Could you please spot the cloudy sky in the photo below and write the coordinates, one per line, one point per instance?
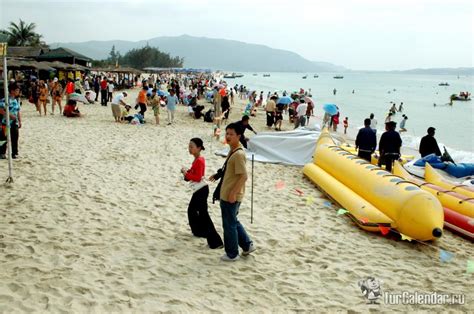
(358, 34)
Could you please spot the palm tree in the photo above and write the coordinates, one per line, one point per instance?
(23, 34)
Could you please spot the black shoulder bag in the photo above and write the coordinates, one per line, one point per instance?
(220, 175)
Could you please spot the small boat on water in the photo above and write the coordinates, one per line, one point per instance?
(255, 74)
(443, 84)
(338, 77)
(315, 76)
(266, 75)
(305, 77)
(463, 96)
(229, 76)
(238, 75)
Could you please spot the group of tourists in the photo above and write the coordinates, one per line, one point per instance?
(390, 142)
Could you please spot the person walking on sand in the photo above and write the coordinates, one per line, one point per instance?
(142, 100)
(231, 195)
(244, 124)
(43, 96)
(198, 216)
(56, 95)
(366, 141)
(171, 102)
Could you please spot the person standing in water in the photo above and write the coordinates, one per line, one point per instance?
(402, 124)
(198, 216)
(334, 91)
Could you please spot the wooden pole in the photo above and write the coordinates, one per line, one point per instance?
(3, 52)
(251, 198)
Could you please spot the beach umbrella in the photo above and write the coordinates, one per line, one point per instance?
(285, 100)
(330, 109)
(78, 97)
(309, 99)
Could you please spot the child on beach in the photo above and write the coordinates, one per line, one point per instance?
(154, 102)
(198, 216)
(346, 124)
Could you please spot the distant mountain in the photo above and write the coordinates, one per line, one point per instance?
(439, 71)
(217, 54)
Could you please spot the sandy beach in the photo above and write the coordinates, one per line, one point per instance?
(96, 222)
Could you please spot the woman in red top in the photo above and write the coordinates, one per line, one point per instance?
(199, 220)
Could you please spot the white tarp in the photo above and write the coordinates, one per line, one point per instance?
(288, 148)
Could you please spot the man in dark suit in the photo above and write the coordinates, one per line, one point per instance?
(366, 141)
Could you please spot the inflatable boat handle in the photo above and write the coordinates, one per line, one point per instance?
(466, 199)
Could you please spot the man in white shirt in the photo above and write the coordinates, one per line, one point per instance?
(373, 123)
(301, 114)
(116, 102)
(110, 90)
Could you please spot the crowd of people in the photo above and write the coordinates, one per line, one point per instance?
(167, 92)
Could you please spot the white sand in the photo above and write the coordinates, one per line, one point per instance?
(96, 222)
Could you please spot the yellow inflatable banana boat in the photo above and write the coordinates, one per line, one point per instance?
(374, 197)
(448, 198)
(432, 176)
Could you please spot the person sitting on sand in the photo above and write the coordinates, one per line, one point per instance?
(198, 216)
(244, 124)
(126, 112)
(71, 110)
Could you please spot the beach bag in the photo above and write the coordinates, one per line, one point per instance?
(216, 195)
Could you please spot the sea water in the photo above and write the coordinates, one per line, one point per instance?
(424, 102)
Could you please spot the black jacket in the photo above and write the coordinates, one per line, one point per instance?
(390, 143)
(428, 145)
(366, 139)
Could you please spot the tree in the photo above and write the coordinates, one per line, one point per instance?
(23, 34)
(150, 57)
(113, 55)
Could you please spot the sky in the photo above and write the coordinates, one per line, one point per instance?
(357, 34)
